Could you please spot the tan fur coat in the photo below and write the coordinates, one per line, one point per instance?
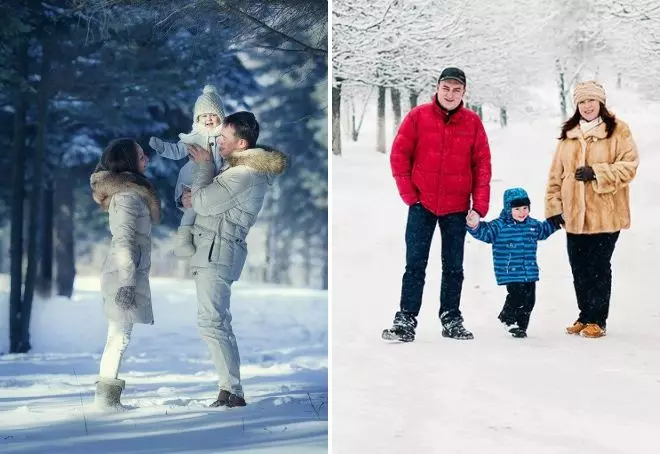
(598, 206)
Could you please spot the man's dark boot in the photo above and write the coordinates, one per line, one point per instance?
(235, 401)
(403, 328)
(454, 329)
(229, 400)
(223, 398)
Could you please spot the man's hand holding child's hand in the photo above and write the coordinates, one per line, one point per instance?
(473, 219)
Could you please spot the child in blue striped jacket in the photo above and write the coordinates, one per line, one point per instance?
(514, 236)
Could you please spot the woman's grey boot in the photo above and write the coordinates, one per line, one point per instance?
(108, 393)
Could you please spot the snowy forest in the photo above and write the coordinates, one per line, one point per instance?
(76, 74)
(393, 51)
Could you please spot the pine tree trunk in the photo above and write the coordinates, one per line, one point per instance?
(413, 98)
(37, 189)
(18, 196)
(64, 233)
(271, 241)
(306, 253)
(380, 139)
(336, 118)
(45, 279)
(396, 107)
(284, 261)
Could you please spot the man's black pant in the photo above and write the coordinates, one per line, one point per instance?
(419, 233)
(590, 258)
(519, 303)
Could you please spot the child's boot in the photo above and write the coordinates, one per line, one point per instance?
(183, 242)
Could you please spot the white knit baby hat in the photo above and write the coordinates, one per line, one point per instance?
(209, 102)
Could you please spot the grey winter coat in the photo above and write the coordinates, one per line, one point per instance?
(132, 207)
(228, 205)
(178, 151)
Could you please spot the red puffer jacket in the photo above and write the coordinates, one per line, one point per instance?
(442, 164)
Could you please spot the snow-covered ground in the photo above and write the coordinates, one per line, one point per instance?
(46, 395)
(548, 394)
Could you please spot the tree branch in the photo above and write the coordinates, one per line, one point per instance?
(262, 24)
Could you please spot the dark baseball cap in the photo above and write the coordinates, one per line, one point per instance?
(453, 74)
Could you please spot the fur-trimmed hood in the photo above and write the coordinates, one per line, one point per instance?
(265, 160)
(105, 184)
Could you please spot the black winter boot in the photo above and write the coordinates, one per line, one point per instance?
(403, 328)
(454, 329)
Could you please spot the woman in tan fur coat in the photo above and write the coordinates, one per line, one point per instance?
(120, 187)
(588, 192)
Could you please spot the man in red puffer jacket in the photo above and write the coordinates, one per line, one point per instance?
(441, 164)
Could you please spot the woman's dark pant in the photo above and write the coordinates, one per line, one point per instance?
(590, 258)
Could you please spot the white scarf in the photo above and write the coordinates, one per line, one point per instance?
(589, 125)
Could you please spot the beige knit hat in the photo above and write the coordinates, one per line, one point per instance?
(209, 102)
(588, 90)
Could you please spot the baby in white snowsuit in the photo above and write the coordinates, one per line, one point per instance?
(208, 116)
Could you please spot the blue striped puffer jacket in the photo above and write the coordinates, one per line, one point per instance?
(514, 243)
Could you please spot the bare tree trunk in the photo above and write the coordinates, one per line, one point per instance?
(336, 118)
(396, 107)
(18, 195)
(618, 80)
(45, 279)
(64, 233)
(562, 90)
(354, 128)
(413, 98)
(37, 189)
(355, 131)
(380, 139)
(503, 117)
(478, 109)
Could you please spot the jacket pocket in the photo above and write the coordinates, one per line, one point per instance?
(230, 253)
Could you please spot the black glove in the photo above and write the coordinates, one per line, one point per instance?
(585, 174)
(125, 298)
(557, 220)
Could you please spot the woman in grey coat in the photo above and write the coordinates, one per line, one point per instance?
(120, 187)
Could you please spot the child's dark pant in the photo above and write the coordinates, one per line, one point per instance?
(519, 304)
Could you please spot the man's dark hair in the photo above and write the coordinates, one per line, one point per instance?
(120, 155)
(245, 126)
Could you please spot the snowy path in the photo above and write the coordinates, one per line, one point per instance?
(547, 394)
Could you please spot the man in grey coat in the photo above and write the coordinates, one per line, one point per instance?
(227, 206)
